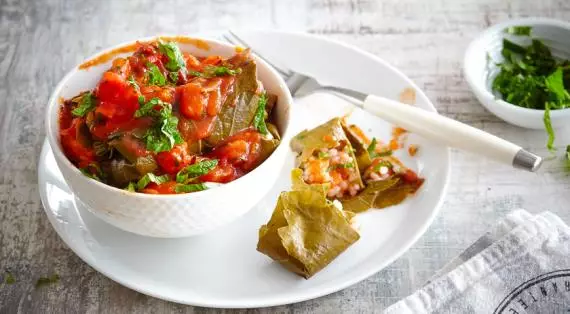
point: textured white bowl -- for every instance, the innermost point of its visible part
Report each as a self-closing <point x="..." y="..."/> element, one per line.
<point x="178" y="215"/>
<point x="479" y="72"/>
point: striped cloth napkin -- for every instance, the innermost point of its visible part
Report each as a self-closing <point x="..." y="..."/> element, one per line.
<point x="521" y="266"/>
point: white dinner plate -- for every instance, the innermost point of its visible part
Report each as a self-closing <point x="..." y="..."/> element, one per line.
<point x="223" y="268"/>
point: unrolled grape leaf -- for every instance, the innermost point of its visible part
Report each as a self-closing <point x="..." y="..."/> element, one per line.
<point x="380" y="194"/>
<point x="366" y="198"/>
<point x="239" y="108"/>
<point x="361" y="154"/>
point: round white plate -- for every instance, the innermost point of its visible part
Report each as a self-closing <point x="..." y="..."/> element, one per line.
<point x="223" y="268"/>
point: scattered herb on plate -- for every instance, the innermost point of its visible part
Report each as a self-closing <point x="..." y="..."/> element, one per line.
<point x="531" y="77"/>
<point x="44" y="281"/>
<point x="9" y="278"/>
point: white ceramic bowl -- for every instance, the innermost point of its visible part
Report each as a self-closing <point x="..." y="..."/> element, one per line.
<point x="178" y="215"/>
<point x="480" y="73"/>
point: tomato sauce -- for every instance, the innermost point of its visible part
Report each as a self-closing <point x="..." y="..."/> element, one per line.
<point x="151" y="116"/>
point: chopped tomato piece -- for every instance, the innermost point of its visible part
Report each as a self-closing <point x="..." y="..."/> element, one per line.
<point x="164" y="188"/>
<point x="122" y="67"/>
<point x="212" y="60"/>
<point x="165" y="94"/>
<point x="191" y="61"/>
<point x="241" y="150"/>
<point x="411" y="177"/>
<point x="73" y="148"/>
<point x="192" y="101"/>
<point x="223" y="173"/>
<point x="174" y="160"/>
<point x="121" y="99"/>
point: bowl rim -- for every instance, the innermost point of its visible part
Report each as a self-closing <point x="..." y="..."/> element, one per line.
<point x="52" y="130"/>
<point x="483" y="90"/>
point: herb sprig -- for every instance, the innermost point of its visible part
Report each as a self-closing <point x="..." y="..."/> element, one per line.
<point x="196" y="170"/>
<point x="259" y="117"/>
<point x="86" y="104"/>
<point x="531" y="77"/>
<point x="164" y="134"/>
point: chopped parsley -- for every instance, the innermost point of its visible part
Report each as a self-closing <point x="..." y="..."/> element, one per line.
<point x="531" y="77"/>
<point x="187" y="188"/>
<point x="212" y="71"/>
<point x="175" y="58"/>
<point x="173" y="77"/>
<point x="155" y="77"/>
<point x="372" y="148"/>
<point x="259" y="117"/>
<point x="381" y="164"/>
<point x="44" y="281"/>
<point x="92" y="171"/>
<point x="519" y="30"/>
<point x="132" y="187"/>
<point x="164" y="134"/>
<point x="195" y="73"/>
<point x="86" y="105"/>
<point x="151" y="177"/>
<point x="133" y="83"/>
<point x="148" y="108"/>
<point x="323" y="155"/>
<point x="342" y="166"/>
<point x="196" y="170"/>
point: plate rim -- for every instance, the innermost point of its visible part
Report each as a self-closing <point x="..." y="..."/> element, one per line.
<point x="289" y="299"/>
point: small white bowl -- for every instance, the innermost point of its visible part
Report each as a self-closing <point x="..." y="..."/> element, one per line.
<point x="178" y="215"/>
<point x="479" y="72"/>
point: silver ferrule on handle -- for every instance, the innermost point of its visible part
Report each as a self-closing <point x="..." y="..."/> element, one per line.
<point x="527" y="161"/>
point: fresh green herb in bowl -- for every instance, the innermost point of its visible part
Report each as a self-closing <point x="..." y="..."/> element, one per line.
<point x="531" y="77"/>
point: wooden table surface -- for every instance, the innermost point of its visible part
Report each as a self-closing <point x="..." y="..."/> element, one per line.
<point x="41" y="40"/>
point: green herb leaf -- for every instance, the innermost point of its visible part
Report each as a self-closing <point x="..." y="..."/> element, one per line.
<point x="195" y="73"/>
<point x="173" y="77"/>
<point x="196" y="170"/>
<point x="372" y="148"/>
<point x="164" y="134"/>
<point x="175" y="58"/>
<point x="151" y="177"/>
<point x="219" y="71"/>
<point x="133" y="83"/>
<point x="187" y="188"/>
<point x="155" y="77"/>
<point x="9" y="278"/>
<point x="132" y="187"/>
<point x="341" y="166"/>
<point x="519" y="30"/>
<point x="385" y="153"/>
<point x="92" y="171"/>
<point x="549" y="129"/>
<point x="323" y="155"/>
<point x="383" y="163"/>
<point x="147" y="109"/>
<point x="86" y="104"/>
<point x="555" y="84"/>
<point x="259" y="117"/>
<point x="44" y="281"/>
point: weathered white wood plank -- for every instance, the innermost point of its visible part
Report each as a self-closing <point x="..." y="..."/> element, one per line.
<point x="40" y="40"/>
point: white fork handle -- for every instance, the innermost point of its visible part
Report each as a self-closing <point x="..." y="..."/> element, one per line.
<point x="451" y="133"/>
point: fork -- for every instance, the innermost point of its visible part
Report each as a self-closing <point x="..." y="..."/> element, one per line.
<point x="427" y="124"/>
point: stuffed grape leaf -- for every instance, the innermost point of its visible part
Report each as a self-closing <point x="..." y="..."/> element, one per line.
<point x="306" y="231"/>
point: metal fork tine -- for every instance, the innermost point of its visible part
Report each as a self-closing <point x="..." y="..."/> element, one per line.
<point x="236" y="40"/>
